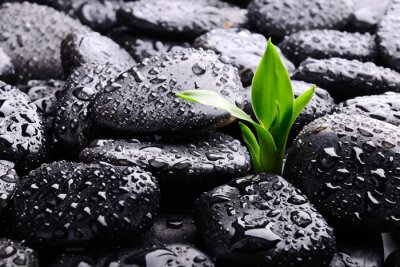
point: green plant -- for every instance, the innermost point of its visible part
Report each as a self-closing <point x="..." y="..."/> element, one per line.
<point x="274" y="106"/>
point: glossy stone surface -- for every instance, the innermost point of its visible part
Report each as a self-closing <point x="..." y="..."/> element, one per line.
<point x="72" y="126"/>
<point x="65" y="203"/>
<point x="140" y="46"/>
<point x="384" y="107"/>
<point x="21" y="129"/>
<point x="245" y="49"/>
<point x="388" y="36"/>
<point x="263" y="220"/>
<point x="348" y="167"/>
<point x="82" y="48"/>
<point x="321" y="44"/>
<point x="142" y="100"/>
<point x="284" y="17"/>
<point x="186" y="19"/>
<point x="185" y="166"/>
<point x="346" y="79"/>
<point x="34" y="52"/>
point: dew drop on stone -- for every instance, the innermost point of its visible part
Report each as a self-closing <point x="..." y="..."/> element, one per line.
<point x="300" y="218"/>
<point x="83" y="93"/>
<point x="199" y="69"/>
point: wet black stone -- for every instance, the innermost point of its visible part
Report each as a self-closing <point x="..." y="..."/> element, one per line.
<point x="385" y="107"/>
<point x="283" y="17"/>
<point x="321" y="44"/>
<point x="244" y="49"/>
<point x="348" y="167"/>
<point x="15" y="254"/>
<point x="21" y="131"/>
<point x="345" y="79"/>
<point x="44" y="94"/>
<point x="82" y="48"/>
<point x="185" y="166"/>
<point x="358" y="250"/>
<point x="31" y="35"/>
<point x="65" y="203"/>
<point x="262" y="220"/>
<point x="7" y="69"/>
<point x="8" y="182"/>
<point x="72" y="126"/>
<point x="388" y="36"/>
<point x="321" y="104"/>
<point x="367" y="14"/>
<point x="174" y="255"/>
<point x="142" y="100"/>
<point x="140" y="46"/>
<point x="185" y="19"/>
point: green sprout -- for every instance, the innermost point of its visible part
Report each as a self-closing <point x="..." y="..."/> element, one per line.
<point x="274" y="106"/>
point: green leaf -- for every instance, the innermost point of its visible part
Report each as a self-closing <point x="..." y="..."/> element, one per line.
<point x="271" y="84"/>
<point x="301" y="102"/>
<point x="267" y="146"/>
<point x="213" y="99"/>
<point x="252" y="144"/>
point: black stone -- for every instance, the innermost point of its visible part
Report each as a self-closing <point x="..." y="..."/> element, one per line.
<point x="180" y="18"/>
<point x="65" y="204"/>
<point x="31" y="36"/>
<point x="245" y="49"/>
<point x="140" y="46"/>
<point x="185" y="166"/>
<point x="348" y="167"/>
<point x="346" y="79"/>
<point x="384" y="107"/>
<point x="388" y="36"/>
<point x="142" y="100"/>
<point x="81" y="48"/>
<point x="283" y="17"/>
<point x="262" y="220"/>
<point x="72" y="126"/>
<point x="320" y="44"/>
<point x="22" y="137"/>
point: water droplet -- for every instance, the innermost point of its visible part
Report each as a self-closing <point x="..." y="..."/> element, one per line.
<point x="199" y="69"/>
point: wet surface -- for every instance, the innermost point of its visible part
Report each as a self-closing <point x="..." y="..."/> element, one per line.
<point x="260" y="220"/>
<point x="142" y="100"/>
<point x="347" y="166"/>
<point x="92" y="203"/>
